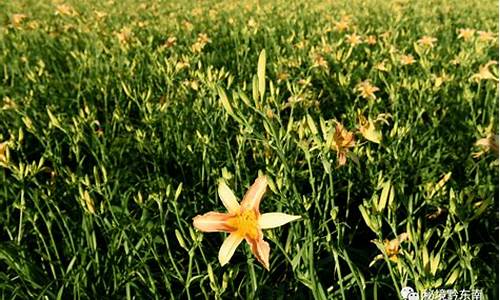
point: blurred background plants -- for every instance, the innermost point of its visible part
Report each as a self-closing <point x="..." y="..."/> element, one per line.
<point x="376" y="122"/>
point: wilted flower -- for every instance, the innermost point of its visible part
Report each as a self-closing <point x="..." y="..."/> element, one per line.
<point x="407" y="59"/>
<point x="243" y="222"/>
<point x="484" y="72"/>
<point x="353" y="39"/>
<point x="342" y="141"/>
<point x="466" y="33"/>
<point x="367" y="90"/>
<point x="427" y="41"/>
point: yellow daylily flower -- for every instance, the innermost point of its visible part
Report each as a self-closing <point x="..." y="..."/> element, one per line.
<point x="170" y="42"/>
<point x="486" y="144"/>
<point x="320" y="61"/>
<point x="343" y="24"/>
<point x="367" y="90"/>
<point x="353" y="39"/>
<point x="200" y="43"/>
<point x="243" y="222"/>
<point x="252" y="23"/>
<point x="125" y="35"/>
<point x="381" y="66"/>
<point x="17" y="19"/>
<point x="203" y="38"/>
<point x="407" y="59"/>
<point x="466" y="33"/>
<point x="371" y="40"/>
<point x="427" y="41"/>
<point x="188" y="26"/>
<point x="369" y="130"/>
<point x="66" y="10"/>
<point x="100" y="14"/>
<point x="486" y="36"/>
<point x="484" y="72"/>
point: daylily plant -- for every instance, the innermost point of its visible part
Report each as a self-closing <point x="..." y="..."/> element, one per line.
<point x="242" y="222"/>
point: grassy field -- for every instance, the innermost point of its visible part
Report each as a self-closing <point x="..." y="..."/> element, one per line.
<point x="374" y="121"/>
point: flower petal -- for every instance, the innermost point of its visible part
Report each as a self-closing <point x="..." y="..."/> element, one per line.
<point x="212" y="222"/>
<point x="252" y="198"/>
<point x="228" y="247"/>
<point x="261" y="249"/>
<point x="228" y="198"/>
<point x="272" y="220"/>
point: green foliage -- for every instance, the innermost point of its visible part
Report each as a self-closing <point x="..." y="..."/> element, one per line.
<point x="118" y="126"/>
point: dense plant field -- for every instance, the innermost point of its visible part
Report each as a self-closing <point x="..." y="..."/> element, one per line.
<point x="374" y="121"/>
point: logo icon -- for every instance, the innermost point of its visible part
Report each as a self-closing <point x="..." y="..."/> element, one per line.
<point x="409" y="294"/>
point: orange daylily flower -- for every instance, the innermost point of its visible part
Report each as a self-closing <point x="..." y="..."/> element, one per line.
<point x="243" y="222"/>
<point x="342" y="141"/>
<point x="390" y="247"/>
